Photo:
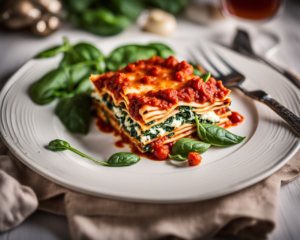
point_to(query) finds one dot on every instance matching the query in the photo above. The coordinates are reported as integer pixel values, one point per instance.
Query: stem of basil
(80, 64)
(86, 156)
(206, 77)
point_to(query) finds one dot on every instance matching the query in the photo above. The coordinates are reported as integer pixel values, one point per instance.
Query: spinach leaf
(186, 145)
(216, 135)
(43, 91)
(50, 52)
(172, 6)
(79, 73)
(123, 55)
(103, 22)
(87, 51)
(75, 113)
(196, 70)
(177, 157)
(123, 159)
(56, 82)
(58, 145)
(116, 160)
(100, 65)
(79, 53)
(61, 145)
(163, 50)
(69, 58)
(77, 64)
(128, 8)
(78, 5)
(85, 86)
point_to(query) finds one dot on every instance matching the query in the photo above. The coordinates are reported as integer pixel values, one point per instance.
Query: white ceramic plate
(27, 128)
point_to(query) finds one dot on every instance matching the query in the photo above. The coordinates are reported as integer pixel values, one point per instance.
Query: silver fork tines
(233, 78)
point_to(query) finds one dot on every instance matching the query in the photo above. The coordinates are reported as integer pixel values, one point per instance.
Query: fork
(235, 80)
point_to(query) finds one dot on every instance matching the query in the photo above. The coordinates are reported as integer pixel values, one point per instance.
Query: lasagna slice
(155, 101)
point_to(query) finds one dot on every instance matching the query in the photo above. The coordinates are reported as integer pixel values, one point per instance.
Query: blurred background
(30, 26)
(42, 23)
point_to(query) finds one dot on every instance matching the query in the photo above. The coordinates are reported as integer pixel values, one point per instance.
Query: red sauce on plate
(235, 120)
(103, 126)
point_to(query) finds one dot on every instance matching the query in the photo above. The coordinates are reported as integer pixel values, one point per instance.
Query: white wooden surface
(17, 47)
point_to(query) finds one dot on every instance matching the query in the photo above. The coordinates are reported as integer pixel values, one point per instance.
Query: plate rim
(62, 182)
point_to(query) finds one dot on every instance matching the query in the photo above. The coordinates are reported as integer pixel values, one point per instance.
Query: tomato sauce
(123, 140)
(221, 110)
(141, 80)
(103, 126)
(148, 155)
(160, 150)
(234, 120)
(194, 159)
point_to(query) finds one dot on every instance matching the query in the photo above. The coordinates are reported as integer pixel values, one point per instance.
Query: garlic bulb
(160, 22)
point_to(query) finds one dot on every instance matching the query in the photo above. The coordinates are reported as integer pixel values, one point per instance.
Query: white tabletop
(17, 47)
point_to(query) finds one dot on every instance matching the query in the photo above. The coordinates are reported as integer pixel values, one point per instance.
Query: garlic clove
(160, 22)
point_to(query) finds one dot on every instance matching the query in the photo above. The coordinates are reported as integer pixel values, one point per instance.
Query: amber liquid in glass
(252, 9)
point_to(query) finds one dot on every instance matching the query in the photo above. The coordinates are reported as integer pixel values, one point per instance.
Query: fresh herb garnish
(206, 77)
(196, 71)
(112, 17)
(177, 157)
(184, 146)
(123, 55)
(116, 160)
(72, 77)
(216, 135)
(123, 159)
(78, 63)
(75, 112)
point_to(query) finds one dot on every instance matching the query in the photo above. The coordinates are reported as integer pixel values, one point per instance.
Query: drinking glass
(256, 13)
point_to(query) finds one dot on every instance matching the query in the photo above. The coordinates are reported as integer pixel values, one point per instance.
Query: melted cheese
(211, 116)
(176, 123)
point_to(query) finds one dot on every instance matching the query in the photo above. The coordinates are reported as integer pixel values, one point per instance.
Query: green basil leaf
(171, 6)
(50, 52)
(43, 91)
(58, 145)
(177, 157)
(79, 53)
(79, 73)
(128, 8)
(216, 135)
(85, 86)
(103, 22)
(123, 159)
(206, 77)
(196, 72)
(78, 5)
(69, 58)
(186, 145)
(123, 55)
(163, 50)
(61, 145)
(75, 113)
(61, 93)
(87, 51)
(100, 65)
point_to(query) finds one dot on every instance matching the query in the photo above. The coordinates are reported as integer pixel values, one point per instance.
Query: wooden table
(17, 47)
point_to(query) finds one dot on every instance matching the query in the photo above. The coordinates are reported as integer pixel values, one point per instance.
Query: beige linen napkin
(249, 213)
